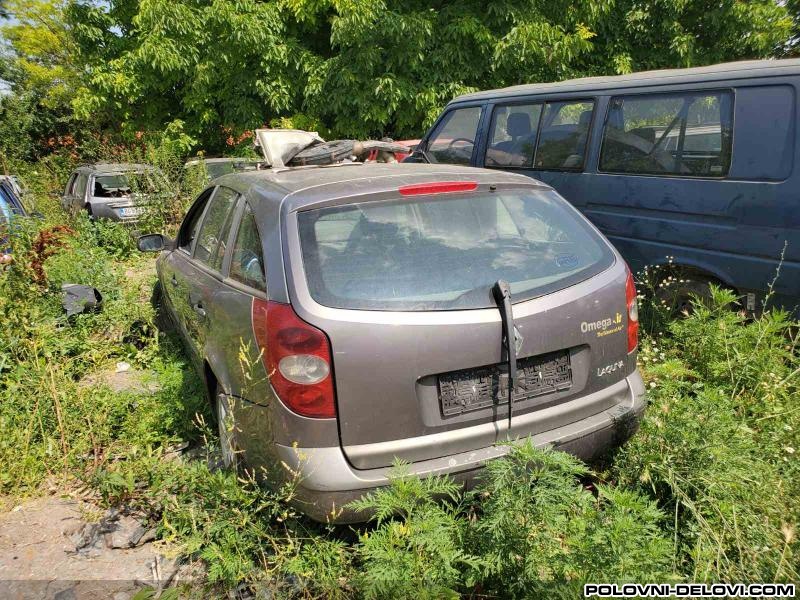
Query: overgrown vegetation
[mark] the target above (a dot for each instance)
(81, 71)
(706, 491)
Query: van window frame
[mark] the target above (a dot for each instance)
(670, 92)
(541, 101)
(480, 132)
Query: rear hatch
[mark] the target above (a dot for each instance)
(402, 287)
(126, 193)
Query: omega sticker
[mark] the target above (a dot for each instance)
(603, 327)
(610, 368)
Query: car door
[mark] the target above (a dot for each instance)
(231, 308)
(79, 191)
(199, 275)
(67, 200)
(173, 270)
(233, 352)
(5, 223)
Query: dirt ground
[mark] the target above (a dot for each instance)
(65, 549)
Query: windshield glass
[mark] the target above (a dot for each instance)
(122, 184)
(435, 253)
(219, 169)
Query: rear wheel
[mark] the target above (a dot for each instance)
(679, 293)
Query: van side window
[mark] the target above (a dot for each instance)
(513, 135)
(247, 263)
(675, 134)
(454, 139)
(565, 131)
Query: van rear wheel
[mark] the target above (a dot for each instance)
(678, 294)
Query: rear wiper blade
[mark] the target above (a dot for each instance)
(502, 296)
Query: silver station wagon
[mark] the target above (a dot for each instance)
(115, 191)
(349, 316)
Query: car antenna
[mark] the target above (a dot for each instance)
(502, 296)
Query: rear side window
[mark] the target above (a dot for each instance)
(669, 134)
(247, 263)
(215, 228)
(513, 135)
(454, 138)
(565, 130)
(445, 253)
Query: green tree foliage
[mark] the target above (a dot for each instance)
(37, 65)
(373, 67)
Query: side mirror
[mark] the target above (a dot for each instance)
(151, 242)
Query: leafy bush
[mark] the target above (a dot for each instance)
(717, 445)
(417, 549)
(539, 529)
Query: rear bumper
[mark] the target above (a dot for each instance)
(329, 481)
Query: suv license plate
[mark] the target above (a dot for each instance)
(473, 389)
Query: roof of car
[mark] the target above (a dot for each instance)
(223, 159)
(732, 70)
(306, 185)
(117, 167)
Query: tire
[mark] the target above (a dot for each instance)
(680, 294)
(226, 426)
(324, 154)
(162, 320)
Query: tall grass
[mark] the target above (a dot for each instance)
(717, 449)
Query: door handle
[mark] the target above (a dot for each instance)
(198, 308)
(173, 281)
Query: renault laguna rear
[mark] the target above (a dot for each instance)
(433, 315)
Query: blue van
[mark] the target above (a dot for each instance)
(691, 166)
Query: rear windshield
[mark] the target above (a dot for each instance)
(122, 184)
(445, 253)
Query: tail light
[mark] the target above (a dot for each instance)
(297, 357)
(633, 312)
